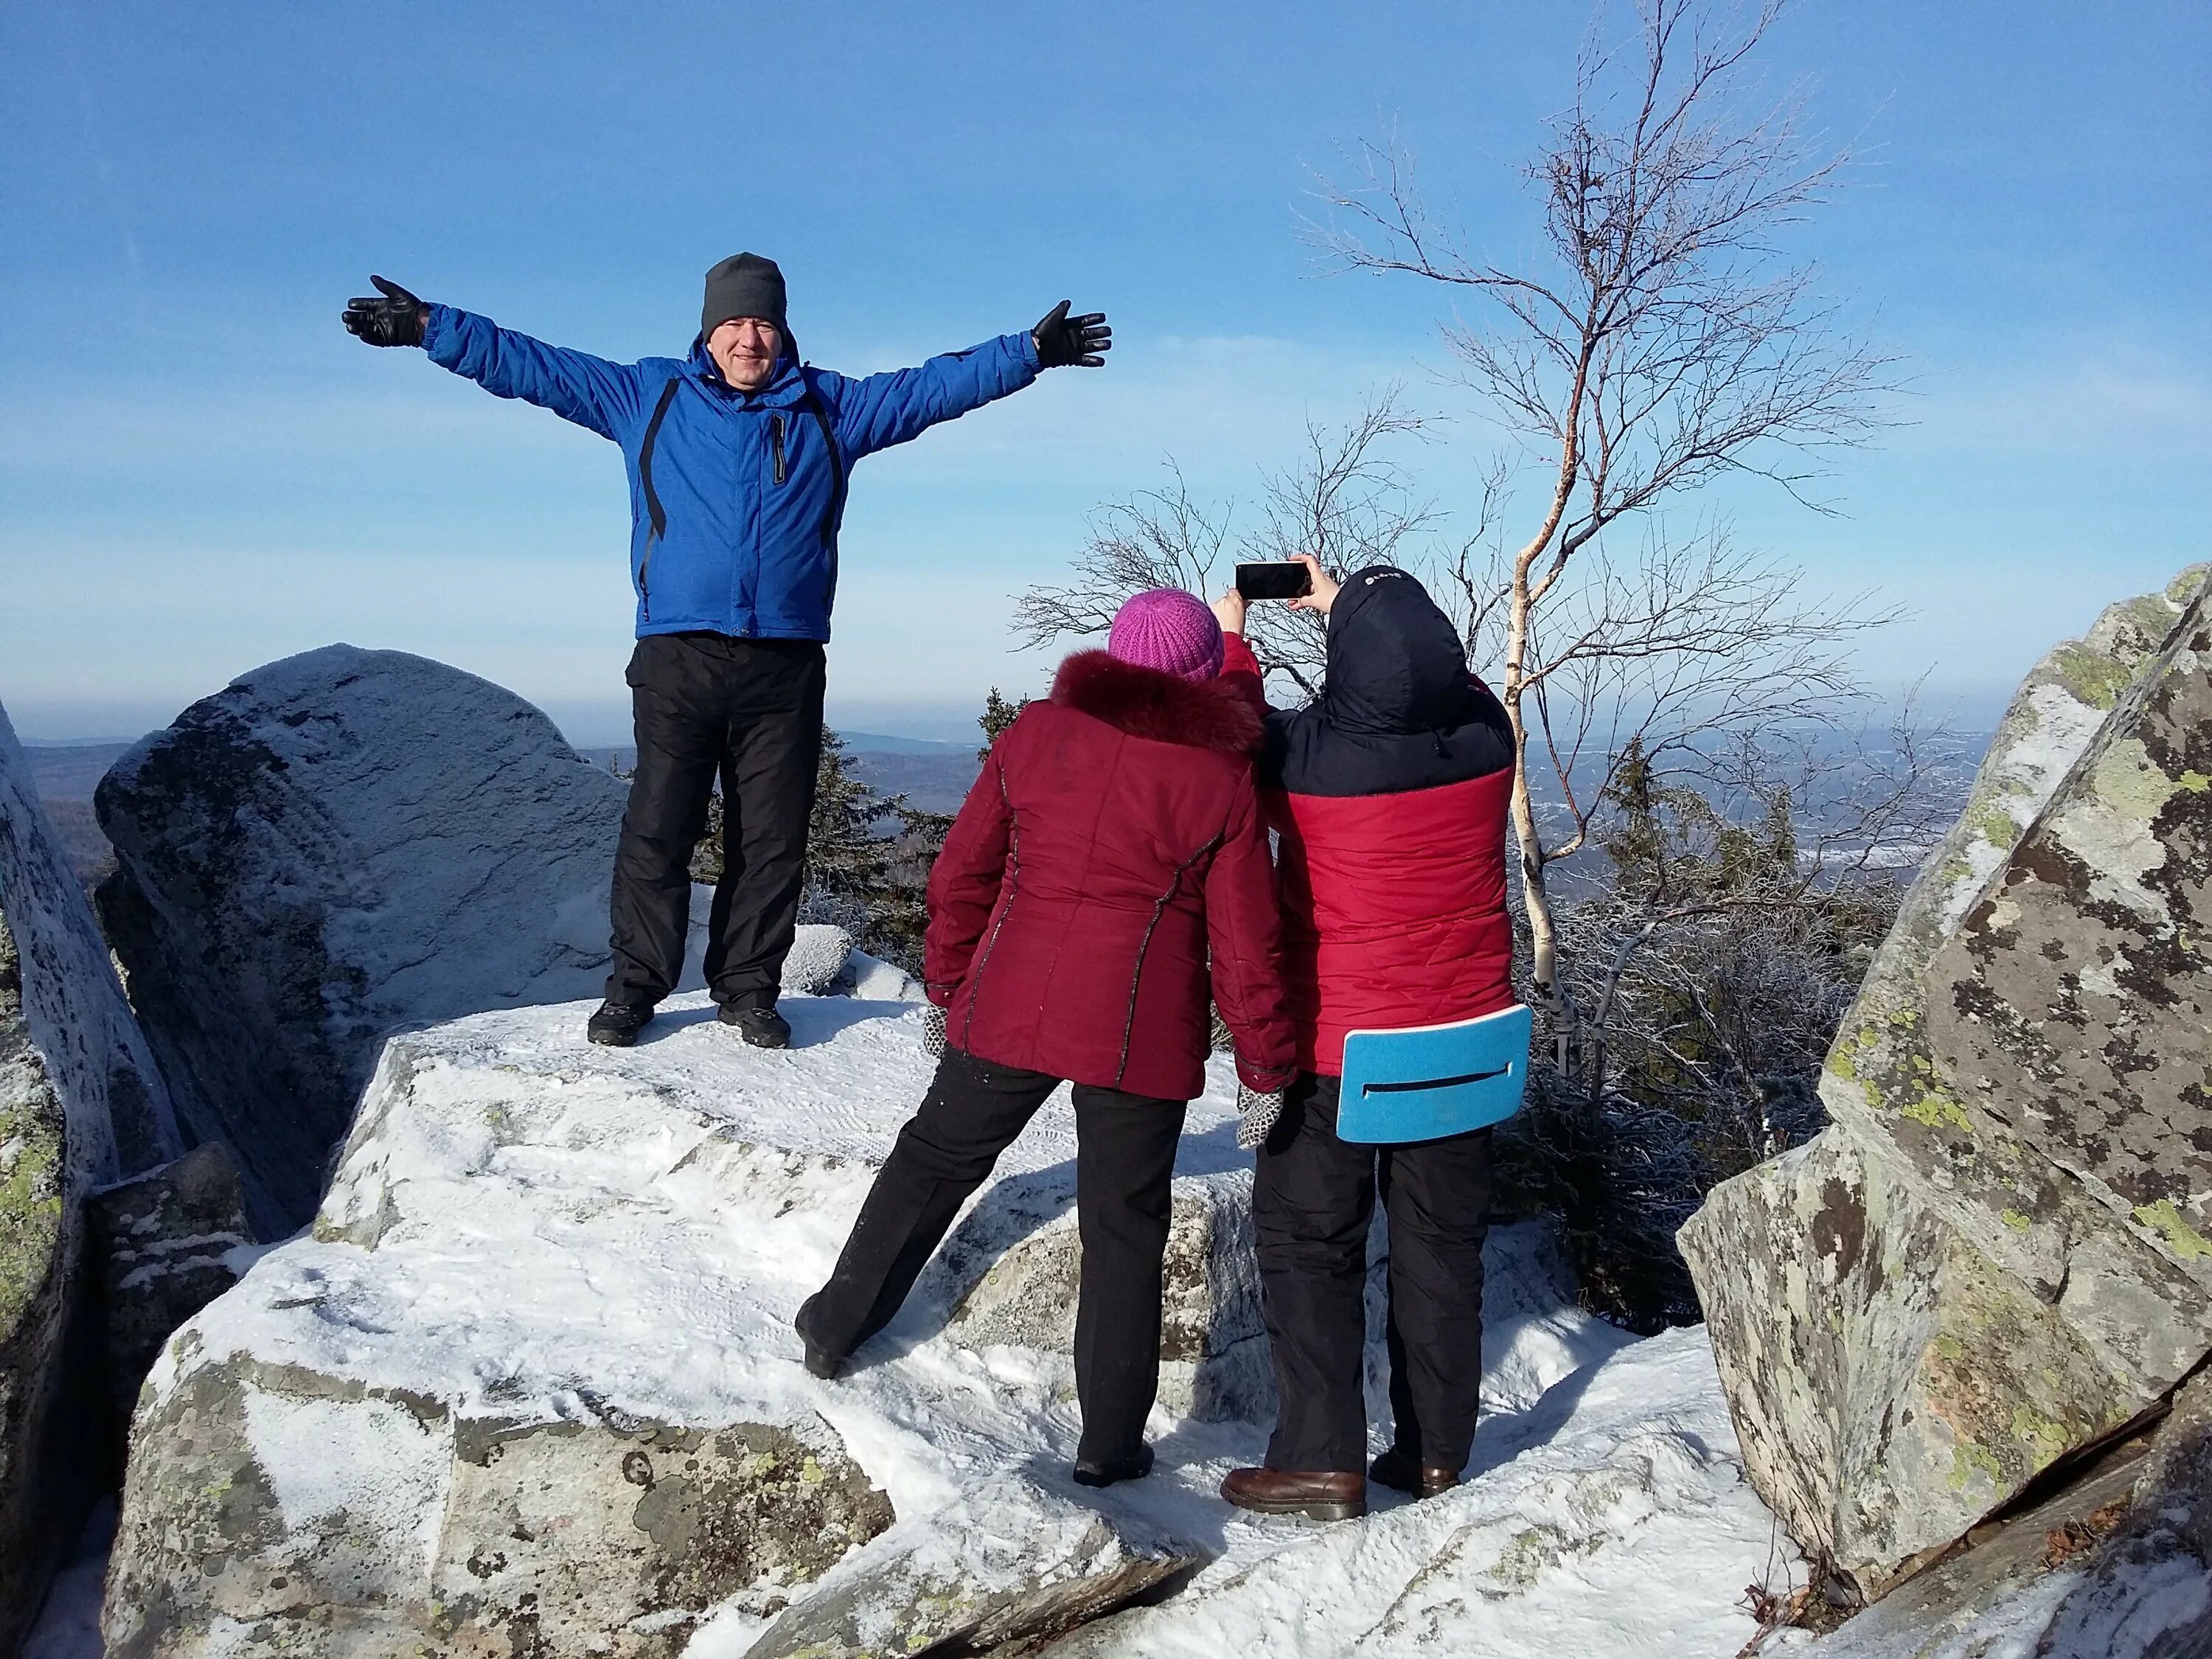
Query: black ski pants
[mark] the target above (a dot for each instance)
(750, 710)
(1313, 1197)
(1124, 1165)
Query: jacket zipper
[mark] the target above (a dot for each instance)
(1013, 886)
(645, 579)
(775, 430)
(1143, 944)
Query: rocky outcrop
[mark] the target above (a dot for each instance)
(335, 846)
(1009, 1563)
(80, 1104)
(168, 1243)
(2118, 1564)
(270, 1508)
(529, 1384)
(1999, 1252)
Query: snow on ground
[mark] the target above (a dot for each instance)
(566, 1231)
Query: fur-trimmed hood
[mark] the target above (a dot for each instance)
(1145, 702)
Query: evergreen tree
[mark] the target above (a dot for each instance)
(998, 714)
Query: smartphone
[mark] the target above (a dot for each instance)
(1288, 580)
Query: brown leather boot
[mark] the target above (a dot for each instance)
(1400, 1472)
(1318, 1494)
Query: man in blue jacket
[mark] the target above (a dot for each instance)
(738, 460)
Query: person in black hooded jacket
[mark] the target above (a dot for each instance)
(1388, 795)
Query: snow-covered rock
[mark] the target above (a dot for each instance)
(819, 956)
(81, 1104)
(531, 1373)
(335, 846)
(2001, 1250)
(455, 1417)
(168, 1243)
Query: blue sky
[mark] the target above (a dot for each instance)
(201, 470)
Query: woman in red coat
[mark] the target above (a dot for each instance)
(1110, 864)
(1389, 794)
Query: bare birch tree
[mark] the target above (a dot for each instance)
(1658, 343)
(1345, 498)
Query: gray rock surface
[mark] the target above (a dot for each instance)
(2117, 1566)
(1009, 1563)
(1998, 1252)
(168, 1243)
(80, 1104)
(335, 846)
(271, 1510)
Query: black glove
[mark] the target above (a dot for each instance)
(397, 319)
(1062, 340)
(932, 1031)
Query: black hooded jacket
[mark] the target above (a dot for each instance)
(1389, 795)
(1398, 710)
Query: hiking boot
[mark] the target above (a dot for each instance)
(763, 1028)
(1396, 1470)
(820, 1362)
(1104, 1472)
(615, 1024)
(1317, 1494)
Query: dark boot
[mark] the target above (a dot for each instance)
(615, 1024)
(1317, 1494)
(1092, 1472)
(1400, 1473)
(820, 1361)
(763, 1028)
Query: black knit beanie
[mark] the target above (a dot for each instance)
(744, 285)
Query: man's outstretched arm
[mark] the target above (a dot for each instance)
(590, 391)
(888, 409)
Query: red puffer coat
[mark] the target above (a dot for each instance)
(1389, 793)
(1113, 842)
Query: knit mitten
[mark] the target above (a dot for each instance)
(1256, 1115)
(932, 1031)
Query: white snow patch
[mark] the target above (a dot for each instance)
(367, 1464)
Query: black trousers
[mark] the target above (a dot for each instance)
(1312, 1199)
(1124, 1164)
(750, 710)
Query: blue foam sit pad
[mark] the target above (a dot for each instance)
(1430, 1081)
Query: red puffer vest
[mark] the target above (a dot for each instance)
(1389, 794)
(1113, 845)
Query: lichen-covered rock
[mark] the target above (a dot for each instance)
(168, 1243)
(335, 846)
(1008, 1563)
(2118, 1564)
(272, 1509)
(1997, 1252)
(80, 1104)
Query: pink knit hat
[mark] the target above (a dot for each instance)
(1167, 629)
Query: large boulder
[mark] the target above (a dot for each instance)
(335, 846)
(1998, 1254)
(529, 1382)
(81, 1104)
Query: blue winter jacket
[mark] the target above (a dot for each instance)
(749, 493)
